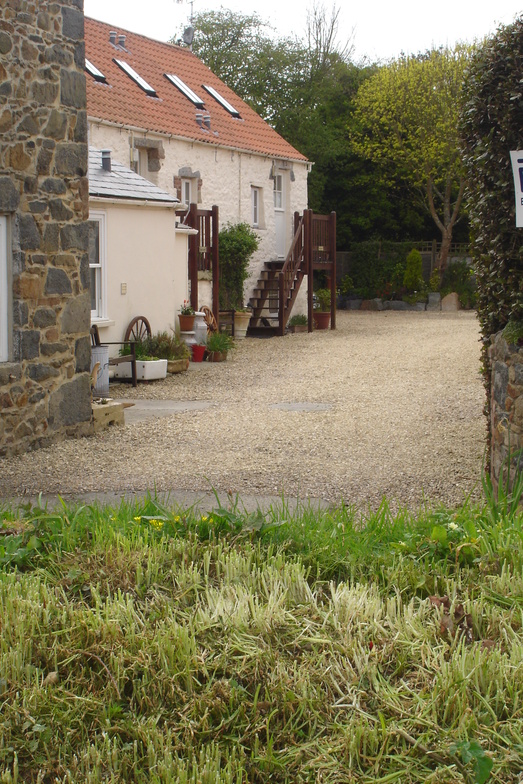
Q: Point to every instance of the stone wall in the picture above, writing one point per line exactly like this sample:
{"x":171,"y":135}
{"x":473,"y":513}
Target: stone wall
{"x":45,"y":384}
{"x":506,"y":407}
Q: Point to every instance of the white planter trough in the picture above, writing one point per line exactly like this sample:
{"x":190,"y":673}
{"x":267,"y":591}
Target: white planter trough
{"x":148,"y":370}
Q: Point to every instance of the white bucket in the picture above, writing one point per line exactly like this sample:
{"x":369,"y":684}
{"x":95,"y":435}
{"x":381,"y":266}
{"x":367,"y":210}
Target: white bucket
{"x":101,"y":354}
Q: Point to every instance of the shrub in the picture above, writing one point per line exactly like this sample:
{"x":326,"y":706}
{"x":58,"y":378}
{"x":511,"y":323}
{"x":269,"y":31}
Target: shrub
{"x":323,"y":300}
{"x":163,"y":345}
{"x":458,"y":277}
{"x":237,"y":243}
{"x":220,"y":342}
{"x":300,"y":319}
{"x":412,"y":278}
{"x":490,"y":128}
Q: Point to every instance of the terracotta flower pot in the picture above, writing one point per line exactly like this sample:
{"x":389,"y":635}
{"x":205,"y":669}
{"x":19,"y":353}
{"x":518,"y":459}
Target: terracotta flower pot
{"x":186,"y":323}
{"x":321,"y":319}
{"x":217,"y":356}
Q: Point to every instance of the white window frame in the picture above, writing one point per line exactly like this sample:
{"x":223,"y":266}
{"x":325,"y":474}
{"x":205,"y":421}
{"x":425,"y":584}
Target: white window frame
{"x":256,"y":202}
{"x":4,"y":292}
{"x":185,"y":191}
{"x":185,"y":89}
{"x":278,"y":192}
{"x":99,"y":313}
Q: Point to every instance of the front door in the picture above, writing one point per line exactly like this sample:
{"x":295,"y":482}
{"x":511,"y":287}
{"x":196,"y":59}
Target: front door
{"x":279,"y":216}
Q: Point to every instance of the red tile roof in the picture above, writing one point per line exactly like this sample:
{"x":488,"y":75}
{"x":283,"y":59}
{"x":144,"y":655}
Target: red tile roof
{"x":121,"y":100}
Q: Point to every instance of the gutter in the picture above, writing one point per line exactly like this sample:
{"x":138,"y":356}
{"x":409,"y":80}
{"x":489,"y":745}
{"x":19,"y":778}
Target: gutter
{"x":169,"y":136}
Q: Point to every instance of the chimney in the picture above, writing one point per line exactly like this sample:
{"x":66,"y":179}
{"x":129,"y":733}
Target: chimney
{"x":199,"y":119}
{"x":207,"y":121}
{"x":106,"y":160}
{"x":112,"y":37}
{"x":121,"y":40}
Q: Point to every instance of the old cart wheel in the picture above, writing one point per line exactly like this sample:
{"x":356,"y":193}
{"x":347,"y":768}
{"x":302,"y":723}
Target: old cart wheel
{"x":138,"y":329}
{"x":209,"y":319}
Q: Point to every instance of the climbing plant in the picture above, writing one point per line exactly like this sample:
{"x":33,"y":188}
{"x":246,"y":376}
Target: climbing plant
{"x":237,"y":243}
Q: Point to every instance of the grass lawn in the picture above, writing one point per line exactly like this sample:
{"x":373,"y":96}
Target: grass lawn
{"x":145,"y":644}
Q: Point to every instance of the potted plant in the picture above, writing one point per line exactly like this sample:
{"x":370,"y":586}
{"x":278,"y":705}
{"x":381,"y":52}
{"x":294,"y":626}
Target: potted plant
{"x":167,"y":346}
{"x":322,"y":308}
{"x":298,"y":323}
{"x":186,"y":317}
{"x":148,"y":367}
{"x":218,"y":344}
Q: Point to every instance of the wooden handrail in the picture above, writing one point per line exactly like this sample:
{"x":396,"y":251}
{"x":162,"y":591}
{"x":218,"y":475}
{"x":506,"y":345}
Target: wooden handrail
{"x":293,"y":262}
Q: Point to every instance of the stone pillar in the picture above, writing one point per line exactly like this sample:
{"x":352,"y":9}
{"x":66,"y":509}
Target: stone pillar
{"x":45,"y":384}
{"x":506,"y":407}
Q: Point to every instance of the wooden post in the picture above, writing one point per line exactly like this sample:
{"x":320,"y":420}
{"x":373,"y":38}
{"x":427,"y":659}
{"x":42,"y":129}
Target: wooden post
{"x":281,"y":303}
{"x":307,"y":241}
{"x":215,"y":265}
{"x":332,"y":243}
{"x":194,"y":244}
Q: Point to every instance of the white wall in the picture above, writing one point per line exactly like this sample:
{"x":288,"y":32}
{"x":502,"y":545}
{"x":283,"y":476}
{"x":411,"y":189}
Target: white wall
{"x":227,"y":177}
{"x":146,"y":267}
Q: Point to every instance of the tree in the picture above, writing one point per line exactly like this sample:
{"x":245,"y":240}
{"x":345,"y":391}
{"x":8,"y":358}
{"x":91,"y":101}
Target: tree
{"x":407,"y":115}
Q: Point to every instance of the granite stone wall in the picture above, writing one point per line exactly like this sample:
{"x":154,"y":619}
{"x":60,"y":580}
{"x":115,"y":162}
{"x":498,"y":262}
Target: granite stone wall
{"x":45,"y":384}
{"x":506,"y":408}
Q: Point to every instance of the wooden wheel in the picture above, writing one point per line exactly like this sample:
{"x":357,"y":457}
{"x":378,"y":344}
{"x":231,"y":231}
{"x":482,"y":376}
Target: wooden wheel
{"x":209,"y":319}
{"x":138,"y":329}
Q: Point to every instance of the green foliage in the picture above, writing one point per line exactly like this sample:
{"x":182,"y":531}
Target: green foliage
{"x":219,"y":341}
{"x":491,"y":125}
{"x":323,"y":300}
{"x":299,"y":319}
{"x":237,"y":243}
{"x":458,"y":277}
{"x":376,"y":267}
{"x":435,"y":281}
{"x":412,"y":277}
{"x":163,"y":345}
{"x":471,"y":751}
{"x":222,"y":646}
{"x":407,"y":122}
{"x":513,"y":331}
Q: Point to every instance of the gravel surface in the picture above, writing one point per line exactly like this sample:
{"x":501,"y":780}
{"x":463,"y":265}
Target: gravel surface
{"x":397,"y":412}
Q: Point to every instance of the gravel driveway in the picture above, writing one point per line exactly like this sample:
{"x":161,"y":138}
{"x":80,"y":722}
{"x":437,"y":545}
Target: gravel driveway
{"x":388,"y":404}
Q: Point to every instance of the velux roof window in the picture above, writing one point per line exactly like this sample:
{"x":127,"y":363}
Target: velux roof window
{"x":95,"y":73}
{"x":226,"y":105}
{"x":136,"y":77}
{"x":186,"y":90}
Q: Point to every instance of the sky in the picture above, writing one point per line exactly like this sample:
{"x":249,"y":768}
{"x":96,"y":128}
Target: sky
{"x":379,"y":30}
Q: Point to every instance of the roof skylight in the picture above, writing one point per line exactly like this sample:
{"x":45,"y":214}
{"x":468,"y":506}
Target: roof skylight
{"x":136,"y":77}
{"x":226,"y":105}
{"x":93,"y":70}
{"x":186,"y":90}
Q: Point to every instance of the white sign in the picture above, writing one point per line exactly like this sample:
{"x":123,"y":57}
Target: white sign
{"x":516,"y":157}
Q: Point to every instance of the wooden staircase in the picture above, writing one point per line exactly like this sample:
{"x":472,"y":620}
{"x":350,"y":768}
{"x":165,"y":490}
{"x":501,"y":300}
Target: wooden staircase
{"x":265,"y":299}
{"x":313,"y":247}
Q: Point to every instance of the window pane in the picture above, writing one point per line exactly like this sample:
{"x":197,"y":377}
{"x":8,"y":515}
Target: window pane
{"x":94,"y":242}
{"x":278,"y":192}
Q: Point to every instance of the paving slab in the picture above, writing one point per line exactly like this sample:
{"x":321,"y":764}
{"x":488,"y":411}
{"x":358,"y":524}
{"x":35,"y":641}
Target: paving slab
{"x":138,"y":410}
